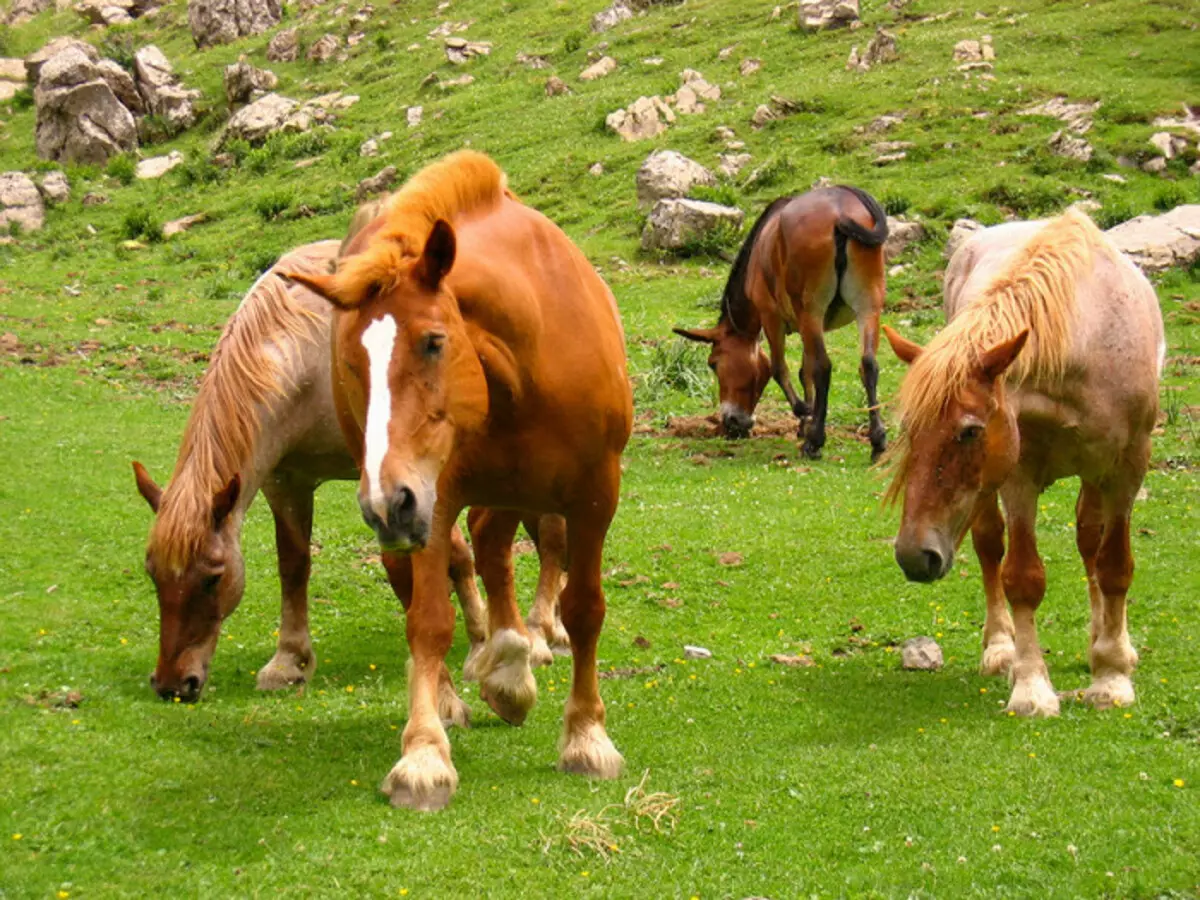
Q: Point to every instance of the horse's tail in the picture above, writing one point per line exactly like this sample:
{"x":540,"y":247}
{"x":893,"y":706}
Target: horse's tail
{"x":735,"y":297}
{"x":847,"y":227}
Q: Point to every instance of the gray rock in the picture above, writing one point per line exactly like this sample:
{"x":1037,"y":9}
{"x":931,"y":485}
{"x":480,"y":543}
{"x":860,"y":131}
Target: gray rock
{"x":284,"y":47}
{"x":691,"y":651}
{"x":460,"y":51}
{"x":1155,"y":166}
{"x":324,"y":48}
{"x":158,"y":166}
{"x":749,"y":66}
{"x":901,"y":235}
{"x":160,"y":88}
{"x":106,"y":12}
{"x":556,"y":87}
{"x":79,"y":118}
{"x":1063,"y":143}
{"x":605,"y":65}
{"x":1077,"y":116}
{"x":122,"y":85}
{"x":922,"y":653}
{"x":22,"y":11}
{"x":646,"y":117}
{"x":731,"y":164}
{"x":816,"y":15}
{"x":1168,"y":144}
{"x":1159,"y":242}
{"x":674,"y":223}
{"x":975,"y":51}
{"x":596,"y":170}
{"x":413,"y":115}
{"x":20,"y":203}
{"x":34,"y":61}
{"x":612,"y":16}
{"x":666,"y":173}
{"x":266,"y":115}
{"x":243,"y":81}
{"x":693,"y":91}
{"x":762,"y":115}
{"x":55,"y":187}
{"x":376,"y":184}
{"x":12,"y":70}
{"x":880,"y":49}
{"x":221,"y":21}
{"x":368,"y":148}
{"x":963,"y":229}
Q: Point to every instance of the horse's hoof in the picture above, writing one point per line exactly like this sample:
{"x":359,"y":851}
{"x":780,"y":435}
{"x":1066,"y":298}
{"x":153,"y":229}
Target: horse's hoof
{"x":471,"y":663}
{"x":997,"y":658}
{"x":877,"y":453}
{"x":1033,"y":697}
{"x":285,"y":670}
{"x":590,"y":752}
{"x":424,"y":779}
{"x":1110,"y":691}
{"x":811,"y":450}
{"x":451,"y":709}
{"x":540,"y":653}
{"x":507,"y":684}
{"x":800,"y":410}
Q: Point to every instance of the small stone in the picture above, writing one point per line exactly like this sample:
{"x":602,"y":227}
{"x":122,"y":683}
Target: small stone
{"x":762,"y":115}
{"x":691,"y":651}
{"x":1155,"y":166}
{"x":376,"y":184}
{"x":20,"y":203}
{"x":646,"y":117}
{"x":901,"y":234}
{"x":324,"y":48}
{"x":369,"y":147}
{"x":749,"y":67}
{"x":533,"y":61}
{"x":1114,"y":177}
{"x":158,"y":166}
{"x":596,"y":170}
{"x":730,"y":164}
{"x":55,"y":187}
{"x":556,"y":87}
{"x":1063,"y":143}
{"x":816,"y":15}
{"x":178,"y":226}
{"x":800,"y":661}
{"x":606,"y":65}
{"x":94,"y":199}
{"x":413,"y":115}
{"x":888,"y":158}
{"x":921,"y":653}
{"x":962,"y":230}
{"x":612,"y":16}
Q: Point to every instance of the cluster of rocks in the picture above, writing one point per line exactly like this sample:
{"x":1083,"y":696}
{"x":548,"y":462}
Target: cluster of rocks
{"x":117,"y":12}
{"x":817,"y":15}
{"x":222,"y":21}
{"x":274,"y":113}
{"x":1159,"y":242}
{"x":245,"y":83}
{"x":648,"y":117}
{"x":880,"y":49}
{"x":663,"y":183}
{"x":460,"y":51}
{"x":23,"y":202}
{"x":22,"y":11}
{"x":88,"y":108}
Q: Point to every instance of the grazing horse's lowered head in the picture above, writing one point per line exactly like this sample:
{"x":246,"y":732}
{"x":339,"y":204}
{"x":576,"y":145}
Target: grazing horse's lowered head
{"x":953,"y":453}
{"x":198,"y":576}
{"x":407,"y":366}
{"x":742,"y":371}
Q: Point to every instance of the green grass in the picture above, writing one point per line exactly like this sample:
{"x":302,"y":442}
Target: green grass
{"x":850,"y":778}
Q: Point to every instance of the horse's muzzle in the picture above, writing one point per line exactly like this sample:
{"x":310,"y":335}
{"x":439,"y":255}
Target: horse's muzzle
{"x":735,"y":423}
{"x":407,"y":524}
{"x":924,"y":560}
{"x":187,"y":690}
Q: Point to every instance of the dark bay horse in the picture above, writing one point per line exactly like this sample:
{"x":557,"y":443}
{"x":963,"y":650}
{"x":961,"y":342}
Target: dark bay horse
{"x":264,"y":420}
{"x":1048,"y":368}
{"x":811,"y":263}
{"x":479,"y":359}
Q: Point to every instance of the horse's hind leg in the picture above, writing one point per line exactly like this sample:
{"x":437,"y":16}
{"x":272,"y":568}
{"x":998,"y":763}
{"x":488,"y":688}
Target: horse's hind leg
{"x":586,"y":747}
{"x":818,"y":367}
{"x":292,"y":506}
{"x":462,"y":575}
{"x":864,"y":285}
{"x":1112,"y":655}
{"x":868,"y":370}
{"x":549,"y":533}
{"x":506,"y":682}
{"x":987,"y":534}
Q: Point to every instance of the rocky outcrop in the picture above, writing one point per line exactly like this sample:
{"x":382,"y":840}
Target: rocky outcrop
{"x":243,"y":83}
{"x":667,"y":174}
{"x":274,"y":113}
{"x":20,"y":203}
{"x":34,"y":61}
{"x":221,"y":21}
{"x":693,"y":92}
{"x":285,"y":46}
{"x":324,"y":48}
{"x":79,"y":117}
{"x":1063,"y":143}
{"x":1077,"y":116}
{"x":646,"y":117}
{"x":106,"y":12}
{"x":376,"y":184}
{"x":160,"y":89}
{"x":673,"y":224}
{"x":1159,"y":242}
{"x":816,"y":15}
{"x":612,"y":16}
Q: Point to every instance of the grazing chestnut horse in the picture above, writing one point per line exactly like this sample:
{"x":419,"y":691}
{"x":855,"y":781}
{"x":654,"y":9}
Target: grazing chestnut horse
{"x":264,"y":420}
{"x":1047,"y":369}
{"x":479,"y":359}
{"x":811,"y":263}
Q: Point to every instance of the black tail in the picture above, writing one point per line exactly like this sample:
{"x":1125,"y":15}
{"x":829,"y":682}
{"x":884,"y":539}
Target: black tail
{"x":851,"y":229}
{"x":734,"y":301}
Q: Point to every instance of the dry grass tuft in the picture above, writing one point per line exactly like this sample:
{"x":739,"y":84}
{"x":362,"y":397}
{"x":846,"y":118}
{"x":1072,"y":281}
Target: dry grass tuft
{"x":659,"y":808}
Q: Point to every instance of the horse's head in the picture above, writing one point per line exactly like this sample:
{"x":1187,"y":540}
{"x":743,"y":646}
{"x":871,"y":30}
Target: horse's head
{"x":199,"y":578}
{"x":742,"y":371}
{"x":958,"y":446}
{"x":408,"y":372}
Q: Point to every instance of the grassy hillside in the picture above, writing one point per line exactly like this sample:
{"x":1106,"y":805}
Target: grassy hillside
{"x":847,"y":778}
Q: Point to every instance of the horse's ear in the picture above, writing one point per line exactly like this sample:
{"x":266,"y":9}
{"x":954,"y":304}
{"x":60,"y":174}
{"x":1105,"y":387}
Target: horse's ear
{"x":225,"y":500}
{"x":995,"y":362}
{"x":325,"y":286}
{"x":699,"y":335}
{"x":146,"y":486}
{"x":438,"y":255}
{"x":905,"y":349}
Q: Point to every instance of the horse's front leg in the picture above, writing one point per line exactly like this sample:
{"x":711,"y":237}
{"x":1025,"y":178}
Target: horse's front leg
{"x":818,"y":369}
{"x":549,"y":533}
{"x":777,"y":343}
{"x":293,"y":662}
{"x":425,"y":778}
{"x":1024,"y":580}
{"x":987,"y":535}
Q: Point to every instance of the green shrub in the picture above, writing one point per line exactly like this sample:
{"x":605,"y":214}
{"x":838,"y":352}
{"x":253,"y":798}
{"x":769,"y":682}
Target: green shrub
{"x":273,"y":204}
{"x":238,"y":149}
{"x":260,"y":160}
{"x":300,"y":146}
{"x":22,"y":99}
{"x":572,"y":41}
{"x":893,"y":203}
{"x":198,"y":171}
{"x":141,"y":224}
{"x":720,"y":241}
{"x":123,"y":168}
{"x":1027,"y":200}
{"x":1170,"y":196}
{"x":676,"y":366}
{"x":1113,"y":212}
{"x":119,"y":47}
{"x":723,"y":193}
{"x":779,"y":167}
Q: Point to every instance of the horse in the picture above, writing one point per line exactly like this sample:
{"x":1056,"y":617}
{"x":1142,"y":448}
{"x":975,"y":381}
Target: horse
{"x":1048,"y":368}
{"x":263,"y":419}
{"x":479,"y":359}
{"x":811,"y":263}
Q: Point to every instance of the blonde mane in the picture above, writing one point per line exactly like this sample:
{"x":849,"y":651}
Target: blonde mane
{"x":1036,"y":291}
{"x":249,"y":368}
{"x":463,"y":182}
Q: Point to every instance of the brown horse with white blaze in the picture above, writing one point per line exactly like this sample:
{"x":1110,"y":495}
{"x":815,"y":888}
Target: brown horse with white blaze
{"x":811,"y":263}
{"x":479,"y":359}
{"x":1048,"y":368}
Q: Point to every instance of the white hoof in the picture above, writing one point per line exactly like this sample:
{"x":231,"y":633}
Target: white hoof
{"x":471,"y":663}
{"x":507,"y":683}
{"x":590,"y":752}
{"x":1033,"y":697}
{"x":539,"y":653}
{"x":1111,"y":690}
{"x":286,"y":669}
{"x":998,"y":657}
{"x":451,"y":709}
{"x":558,"y":639}
{"x":424,"y":779}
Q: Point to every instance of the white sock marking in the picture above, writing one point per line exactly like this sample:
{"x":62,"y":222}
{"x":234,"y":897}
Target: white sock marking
{"x":378,"y":339}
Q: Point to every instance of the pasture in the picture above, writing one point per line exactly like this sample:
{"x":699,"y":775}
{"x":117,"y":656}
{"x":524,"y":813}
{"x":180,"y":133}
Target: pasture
{"x":744,"y":776}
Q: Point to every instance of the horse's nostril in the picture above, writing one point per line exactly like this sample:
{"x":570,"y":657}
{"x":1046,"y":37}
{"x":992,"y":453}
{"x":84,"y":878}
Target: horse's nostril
{"x":933,"y":562}
{"x":405,"y":499}
{"x":191,"y":686}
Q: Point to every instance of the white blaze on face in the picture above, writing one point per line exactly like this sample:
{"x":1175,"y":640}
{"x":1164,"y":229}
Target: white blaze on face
{"x":378,"y":339}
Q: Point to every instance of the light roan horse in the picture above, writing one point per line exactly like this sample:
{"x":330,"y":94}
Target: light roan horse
{"x":479,"y":359}
{"x":811,"y":263}
{"x":1047,"y":369}
{"x":264,"y":419}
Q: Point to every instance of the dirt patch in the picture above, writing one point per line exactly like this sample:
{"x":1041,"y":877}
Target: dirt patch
{"x":632,"y":671}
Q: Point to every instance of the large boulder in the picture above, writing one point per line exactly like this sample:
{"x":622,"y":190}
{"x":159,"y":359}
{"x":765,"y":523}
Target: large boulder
{"x":34,"y":61}
{"x":243,"y":82}
{"x":20,"y":203}
{"x":221,"y":21}
{"x":160,"y":88}
{"x":122,"y":85}
{"x":1158,"y":242}
{"x":815,"y":15}
{"x":106,"y":12}
{"x":79,"y":118}
{"x":666,"y":174}
{"x":264,"y":117}
{"x":646,"y":117}
{"x":673,"y":224}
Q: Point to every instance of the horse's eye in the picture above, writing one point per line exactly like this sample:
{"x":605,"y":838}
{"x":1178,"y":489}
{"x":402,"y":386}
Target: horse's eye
{"x":432,"y":345}
{"x":970,"y":433}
